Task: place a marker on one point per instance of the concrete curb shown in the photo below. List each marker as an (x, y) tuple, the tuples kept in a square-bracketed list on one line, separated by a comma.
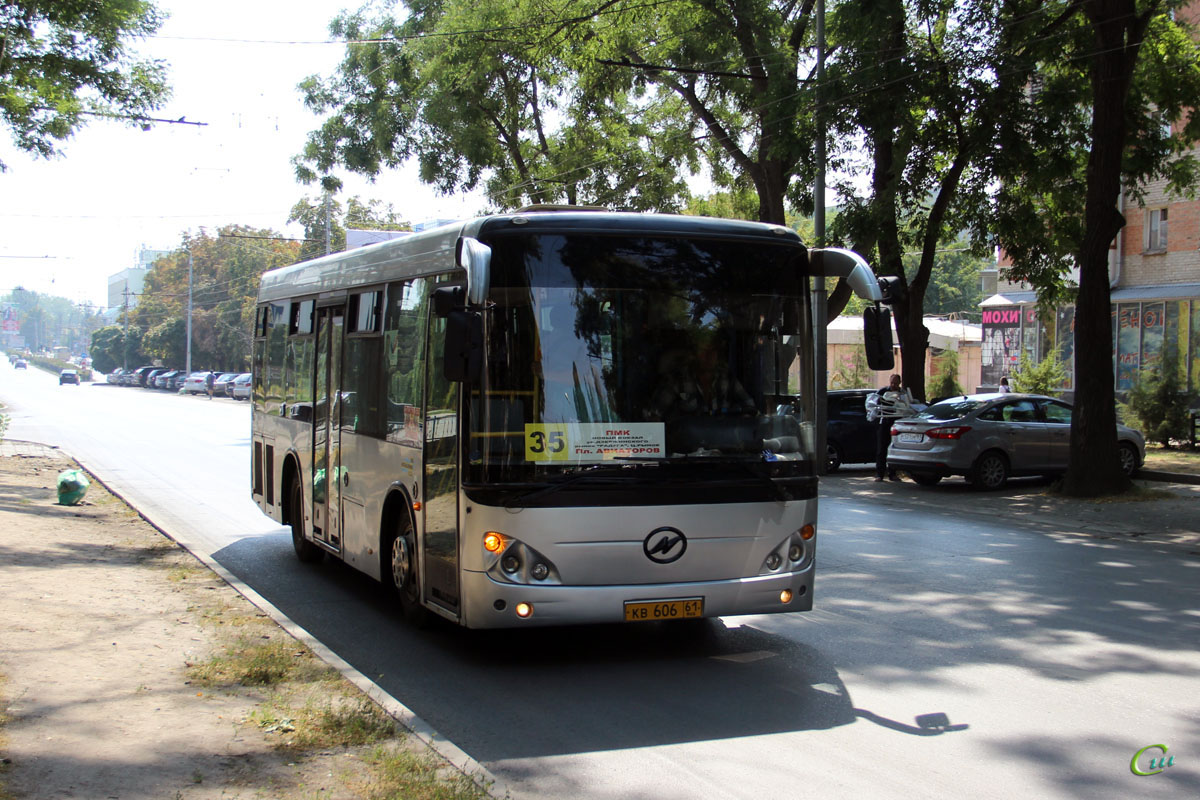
[(1168, 477), (417, 726)]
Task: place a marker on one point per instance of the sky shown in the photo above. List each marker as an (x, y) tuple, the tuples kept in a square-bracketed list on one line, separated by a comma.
[(67, 224)]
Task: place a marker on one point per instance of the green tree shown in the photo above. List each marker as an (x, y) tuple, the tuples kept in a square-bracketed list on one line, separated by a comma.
[(476, 93), (954, 284), (63, 61), (109, 348), (372, 215), (922, 86), (225, 275), (167, 341), (1114, 106), (944, 382), (1161, 408), (851, 372), (1047, 376)]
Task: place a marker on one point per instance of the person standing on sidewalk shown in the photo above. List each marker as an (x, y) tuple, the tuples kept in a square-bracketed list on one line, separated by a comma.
[(883, 406)]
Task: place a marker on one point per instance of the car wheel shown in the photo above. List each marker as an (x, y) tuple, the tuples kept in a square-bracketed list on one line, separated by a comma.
[(1129, 459), (833, 457), (400, 575), (925, 478), (990, 471), (306, 551)]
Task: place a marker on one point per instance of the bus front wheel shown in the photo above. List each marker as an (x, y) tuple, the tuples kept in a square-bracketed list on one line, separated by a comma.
[(306, 551), (400, 573)]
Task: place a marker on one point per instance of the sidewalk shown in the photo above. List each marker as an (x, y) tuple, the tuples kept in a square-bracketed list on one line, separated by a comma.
[(129, 670), (1162, 511)]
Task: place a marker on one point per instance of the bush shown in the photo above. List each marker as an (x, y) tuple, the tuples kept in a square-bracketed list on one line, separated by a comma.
[(944, 381), (56, 366), (1045, 377), (1161, 408)]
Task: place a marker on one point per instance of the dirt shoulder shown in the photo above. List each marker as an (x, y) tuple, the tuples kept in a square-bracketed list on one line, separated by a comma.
[(129, 670)]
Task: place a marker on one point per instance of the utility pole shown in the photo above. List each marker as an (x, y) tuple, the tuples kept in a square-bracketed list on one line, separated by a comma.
[(328, 226), (188, 366), (125, 330)]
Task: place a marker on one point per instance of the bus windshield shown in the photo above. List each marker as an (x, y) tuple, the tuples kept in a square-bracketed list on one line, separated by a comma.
[(636, 350)]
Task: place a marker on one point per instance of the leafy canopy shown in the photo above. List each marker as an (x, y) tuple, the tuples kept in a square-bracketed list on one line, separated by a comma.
[(63, 61)]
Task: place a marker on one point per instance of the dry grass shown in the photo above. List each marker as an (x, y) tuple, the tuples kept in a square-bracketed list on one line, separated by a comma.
[(1180, 459)]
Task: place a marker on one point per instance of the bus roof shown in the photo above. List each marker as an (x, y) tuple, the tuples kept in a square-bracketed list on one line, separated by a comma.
[(432, 252)]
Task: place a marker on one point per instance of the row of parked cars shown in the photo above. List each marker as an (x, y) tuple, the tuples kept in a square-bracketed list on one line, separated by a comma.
[(225, 384), (985, 438)]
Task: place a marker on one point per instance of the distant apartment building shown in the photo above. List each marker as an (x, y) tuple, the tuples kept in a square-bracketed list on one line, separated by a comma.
[(1154, 275), (126, 285)]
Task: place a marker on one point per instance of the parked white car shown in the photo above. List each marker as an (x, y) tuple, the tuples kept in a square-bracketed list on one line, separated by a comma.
[(196, 383), (241, 387)]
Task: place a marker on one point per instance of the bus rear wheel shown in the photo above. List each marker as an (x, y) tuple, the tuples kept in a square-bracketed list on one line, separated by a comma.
[(400, 572), (306, 551)]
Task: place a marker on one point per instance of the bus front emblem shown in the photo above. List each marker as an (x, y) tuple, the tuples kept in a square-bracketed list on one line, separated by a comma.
[(664, 545)]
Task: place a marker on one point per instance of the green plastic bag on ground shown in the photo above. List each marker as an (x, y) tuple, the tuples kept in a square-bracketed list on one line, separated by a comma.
[(72, 486)]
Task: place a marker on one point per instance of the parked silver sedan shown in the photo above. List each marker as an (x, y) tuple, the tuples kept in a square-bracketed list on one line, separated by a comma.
[(988, 437)]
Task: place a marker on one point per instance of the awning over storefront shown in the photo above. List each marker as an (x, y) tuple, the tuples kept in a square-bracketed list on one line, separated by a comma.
[(1166, 291), (1127, 294), (1010, 299)]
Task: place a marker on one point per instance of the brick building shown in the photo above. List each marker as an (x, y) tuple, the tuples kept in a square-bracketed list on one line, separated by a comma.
[(1154, 275)]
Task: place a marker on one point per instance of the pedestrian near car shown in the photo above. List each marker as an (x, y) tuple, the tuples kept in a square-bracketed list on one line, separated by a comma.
[(883, 407), (209, 380)]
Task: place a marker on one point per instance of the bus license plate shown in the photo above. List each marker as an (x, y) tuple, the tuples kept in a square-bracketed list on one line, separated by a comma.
[(664, 609), (910, 438)]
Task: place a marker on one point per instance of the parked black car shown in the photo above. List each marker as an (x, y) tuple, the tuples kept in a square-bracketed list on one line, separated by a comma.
[(849, 438)]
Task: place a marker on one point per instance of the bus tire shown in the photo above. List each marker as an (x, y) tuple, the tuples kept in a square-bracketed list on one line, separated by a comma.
[(400, 574), (306, 551)]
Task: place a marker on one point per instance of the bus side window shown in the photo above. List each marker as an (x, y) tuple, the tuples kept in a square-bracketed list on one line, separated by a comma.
[(404, 358), (362, 393), (276, 349)]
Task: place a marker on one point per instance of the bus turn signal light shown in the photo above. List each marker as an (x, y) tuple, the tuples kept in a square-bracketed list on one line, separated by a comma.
[(808, 531), (524, 610), (493, 542)]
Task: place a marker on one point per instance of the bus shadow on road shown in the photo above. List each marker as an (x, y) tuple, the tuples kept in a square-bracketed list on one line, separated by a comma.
[(511, 694)]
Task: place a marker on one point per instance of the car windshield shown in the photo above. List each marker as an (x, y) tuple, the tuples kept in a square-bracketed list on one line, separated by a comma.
[(643, 350), (951, 409)]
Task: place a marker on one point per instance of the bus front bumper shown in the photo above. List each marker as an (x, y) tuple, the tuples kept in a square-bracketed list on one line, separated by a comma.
[(492, 604)]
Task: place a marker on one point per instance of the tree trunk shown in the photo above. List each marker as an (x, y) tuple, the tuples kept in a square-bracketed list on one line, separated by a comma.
[(1094, 469)]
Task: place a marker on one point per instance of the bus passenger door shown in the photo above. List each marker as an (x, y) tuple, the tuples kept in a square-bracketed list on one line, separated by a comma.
[(327, 451), (441, 476)]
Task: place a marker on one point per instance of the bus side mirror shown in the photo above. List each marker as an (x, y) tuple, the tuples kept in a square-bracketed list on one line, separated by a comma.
[(877, 338), (462, 358), (476, 258)]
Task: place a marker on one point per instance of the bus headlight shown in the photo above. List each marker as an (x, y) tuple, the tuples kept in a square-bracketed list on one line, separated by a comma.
[(517, 562), (797, 548)]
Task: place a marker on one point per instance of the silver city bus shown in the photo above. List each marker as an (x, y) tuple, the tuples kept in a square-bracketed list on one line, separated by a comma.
[(552, 417)]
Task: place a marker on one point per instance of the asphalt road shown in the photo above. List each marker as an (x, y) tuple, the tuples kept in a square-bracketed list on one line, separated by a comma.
[(948, 654)]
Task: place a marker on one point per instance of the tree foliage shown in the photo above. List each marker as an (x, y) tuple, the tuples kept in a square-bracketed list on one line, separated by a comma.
[(63, 61), (1114, 106), (116, 346), (225, 276), (478, 95), (944, 381), (1047, 376), (1161, 408), (372, 215)]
